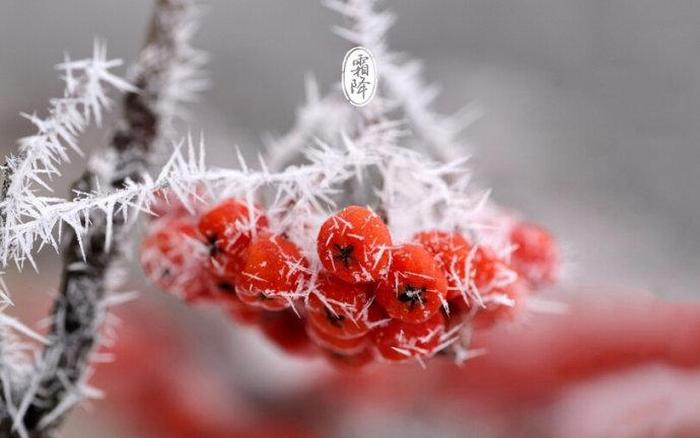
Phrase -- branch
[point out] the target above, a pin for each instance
(58, 380)
(40, 155)
(177, 68)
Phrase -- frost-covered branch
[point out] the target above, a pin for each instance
(57, 381)
(401, 86)
(167, 74)
(169, 70)
(300, 195)
(367, 26)
(38, 161)
(41, 154)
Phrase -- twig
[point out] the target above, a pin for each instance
(58, 383)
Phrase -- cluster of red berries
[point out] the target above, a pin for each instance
(368, 299)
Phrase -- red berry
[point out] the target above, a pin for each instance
(353, 245)
(399, 341)
(164, 251)
(168, 204)
(286, 330)
(349, 361)
(243, 313)
(195, 287)
(536, 256)
(263, 301)
(456, 256)
(223, 265)
(169, 259)
(451, 252)
(459, 307)
(338, 308)
(273, 273)
(485, 269)
(415, 287)
(496, 310)
(338, 345)
(229, 228)
(224, 292)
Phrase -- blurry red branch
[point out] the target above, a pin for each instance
(530, 365)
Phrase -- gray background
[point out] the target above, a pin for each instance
(591, 107)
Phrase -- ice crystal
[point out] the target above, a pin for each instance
(40, 155)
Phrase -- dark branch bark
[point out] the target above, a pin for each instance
(77, 312)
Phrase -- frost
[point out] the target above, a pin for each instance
(401, 86)
(45, 386)
(40, 155)
(401, 76)
(179, 67)
(30, 219)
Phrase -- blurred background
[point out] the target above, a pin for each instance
(590, 119)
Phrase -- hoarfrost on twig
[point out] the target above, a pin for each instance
(112, 186)
(367, 26)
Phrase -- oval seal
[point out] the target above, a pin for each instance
(359, 76)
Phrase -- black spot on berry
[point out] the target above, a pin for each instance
(226, 287)
(213, 247)
(412, 295)
(335, 320)
(344, 254)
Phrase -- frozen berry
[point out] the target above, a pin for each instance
(164, 251)
(243, 313)
(458, 307)
(353, 245)
(263, 300)
(415, 286)
(338, 345)
(274, 271)
(338, 308)
(287, 331)
(399, 341)
(349, 361)
(451, 251)
(229, 228)
(224, 293)
(224, 265)
(536, 256)
(501, 305)
(195, 286)
(223, 289)
(486, 269)
(169, 259)
(168, 204)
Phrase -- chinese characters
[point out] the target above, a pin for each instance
(359, 77)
